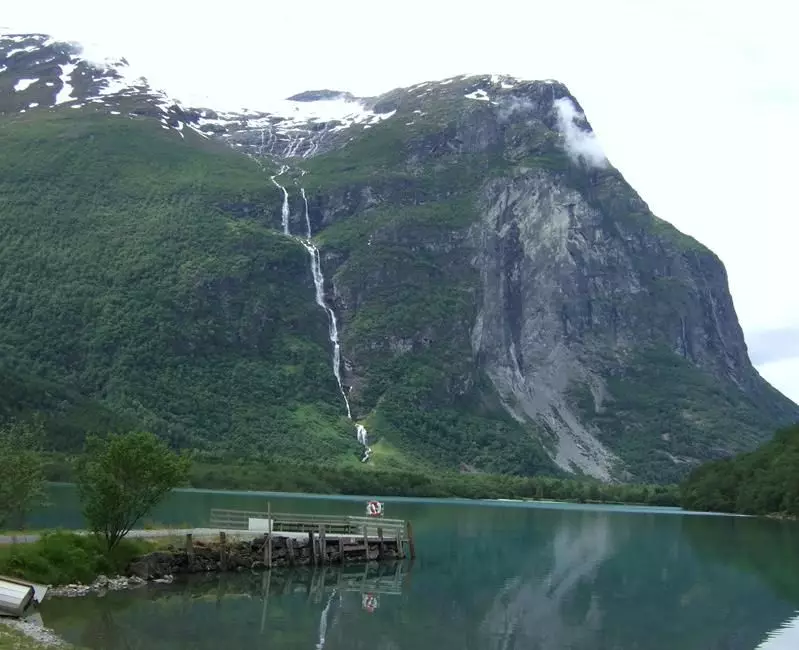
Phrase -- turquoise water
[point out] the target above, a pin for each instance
(489, 575)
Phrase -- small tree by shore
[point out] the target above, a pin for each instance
(123, 477)
(21, 471)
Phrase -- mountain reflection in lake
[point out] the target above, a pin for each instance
(488, 577)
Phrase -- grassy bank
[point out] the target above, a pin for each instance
(60, 558)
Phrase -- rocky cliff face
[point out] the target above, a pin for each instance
(569, 290)
(505, 301)
(576, 291)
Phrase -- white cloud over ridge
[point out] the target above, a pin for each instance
(580, 144)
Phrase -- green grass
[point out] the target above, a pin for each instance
(60, 558)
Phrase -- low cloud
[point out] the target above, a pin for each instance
(513, 104)
(768, 346)
(580, 144)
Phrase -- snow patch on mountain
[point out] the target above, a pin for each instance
(24, 84)
(65, 94)
(287, 114)
(479, 94)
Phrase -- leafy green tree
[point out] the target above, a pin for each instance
(21, 472)
(123, 477)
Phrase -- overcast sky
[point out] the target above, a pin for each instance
(695, 101)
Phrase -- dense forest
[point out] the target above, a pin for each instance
(762, 482)
(232, 473)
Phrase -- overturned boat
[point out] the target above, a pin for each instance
(17, 596)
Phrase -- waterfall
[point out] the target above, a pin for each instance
(363, 438)
(319, 286)
(307, 218)
(284, 210)
(319, 283)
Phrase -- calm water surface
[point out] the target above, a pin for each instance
(487, 576)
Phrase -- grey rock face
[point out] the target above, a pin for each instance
(530, 284)
(569, 288)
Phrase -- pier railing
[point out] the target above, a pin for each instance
(301, 523)
(325, 527)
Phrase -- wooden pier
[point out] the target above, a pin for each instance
(266, 540)
(301, 539)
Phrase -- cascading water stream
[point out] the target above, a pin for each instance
(284, 210)
(319, 285)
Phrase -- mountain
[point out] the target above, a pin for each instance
(454, 265)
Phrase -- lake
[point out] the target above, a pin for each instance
(488, 575)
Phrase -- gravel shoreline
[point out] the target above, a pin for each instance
(38, 633)
(99, 586)
(35, 630)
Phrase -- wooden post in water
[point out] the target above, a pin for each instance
(381, 549)
(398, 541)
(320, 590)
(268, 550)
(341, 549)
(398, 576)
(289, 583)
(290, 550)
(411, 545)
(268, 539)
(267, 586)
(223, 550)
(322, 544)
(189, 548)
(313, 547)
(312, 584)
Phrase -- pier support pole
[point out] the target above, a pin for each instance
(381, 548)
(223, 550)
(290, 550)
(268, 539)
(340, 549)
(312, 544)
(322, 544)
(411, 545)
(189, 548)
(267, 586)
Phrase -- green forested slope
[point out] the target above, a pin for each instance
(765, 481)
(140, 271)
